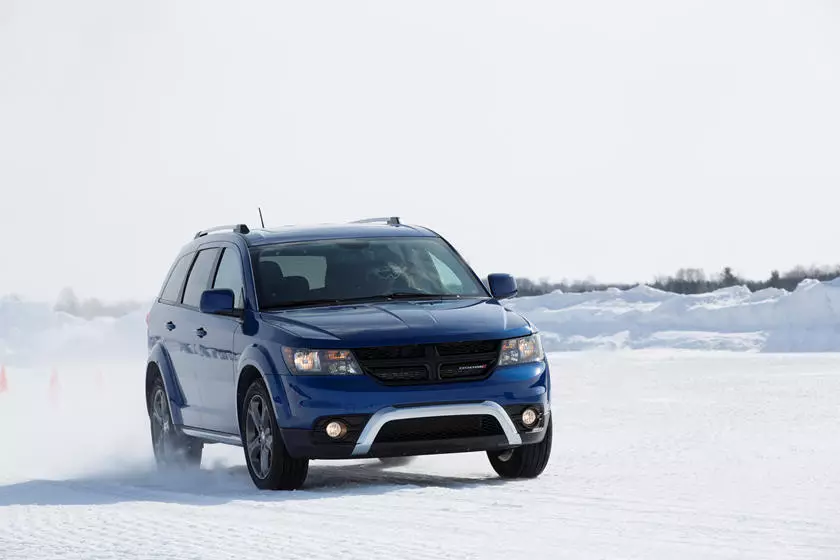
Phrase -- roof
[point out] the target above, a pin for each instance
(332, 231)
(288, 234)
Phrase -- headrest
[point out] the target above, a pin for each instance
(294, 288)
(270, 270)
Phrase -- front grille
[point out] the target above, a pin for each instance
(439, 428)
(430, 363)
(472, 347)
(390, 352)
(472, 369)
(400, 373)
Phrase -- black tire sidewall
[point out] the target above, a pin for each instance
(157, 385)
(189, 449)
(285, 473)
(527, 461)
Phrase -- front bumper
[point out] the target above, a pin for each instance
(367, 407)
(361, 440)
(390, 414)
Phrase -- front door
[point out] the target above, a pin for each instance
(187, 335)
(217, 372)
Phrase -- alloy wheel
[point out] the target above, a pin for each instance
(161, 425)
(259, 439)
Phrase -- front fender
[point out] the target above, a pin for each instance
(160, 357)
(259, 359)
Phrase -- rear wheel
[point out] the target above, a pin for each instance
(269, 463)
(172, 448)
(527, 461)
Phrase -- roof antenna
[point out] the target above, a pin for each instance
(262, 223)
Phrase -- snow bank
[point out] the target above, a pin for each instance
(35, 333)
(806, 320)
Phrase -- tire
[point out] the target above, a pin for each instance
(395, 461)
(171, 447)
(527, 461)
(269, 463)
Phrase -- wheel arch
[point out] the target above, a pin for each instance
(255, 363)
(159, 365)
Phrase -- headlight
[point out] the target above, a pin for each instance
(523, 350)
(302, 361)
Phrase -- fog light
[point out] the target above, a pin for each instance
(336, 429)
(530, 417)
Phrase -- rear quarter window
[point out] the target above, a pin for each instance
(172, 289)
(229, 275)
(199, 279)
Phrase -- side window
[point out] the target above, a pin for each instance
(172, 289)
(229, 274)
(199, 279)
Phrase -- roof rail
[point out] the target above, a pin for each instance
(236, 228)
(392, 221)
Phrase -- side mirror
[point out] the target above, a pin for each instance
(502, 286)
(218, 302)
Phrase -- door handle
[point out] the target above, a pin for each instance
(200, 332)
(170, 326)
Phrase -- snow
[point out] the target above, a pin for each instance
(771, 320)
(657, 454)
(805, 320)
(33, 332)
(660, 452)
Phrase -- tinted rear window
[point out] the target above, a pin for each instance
(229, 275)
(172, 288)
(199, 279)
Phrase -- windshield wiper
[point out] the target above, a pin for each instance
(416, 295)
(301, 303)
(401, 296)
(347, 301)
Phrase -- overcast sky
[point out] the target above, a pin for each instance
(611, 139)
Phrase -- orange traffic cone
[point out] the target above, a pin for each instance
(4, 383)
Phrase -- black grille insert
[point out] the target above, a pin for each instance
(472, 347)
(439, 428)
(390, 352)
(400, 373)
(430, 363)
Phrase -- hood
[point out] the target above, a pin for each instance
(399, 322)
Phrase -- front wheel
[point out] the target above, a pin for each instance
(269, 463)
(527, 461)
(172, 448)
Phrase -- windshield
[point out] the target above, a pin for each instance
(348, 270)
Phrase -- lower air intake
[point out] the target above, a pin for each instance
(441, 428)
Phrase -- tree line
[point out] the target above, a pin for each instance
(688, 281)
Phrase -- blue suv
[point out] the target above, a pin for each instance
(372, 339)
